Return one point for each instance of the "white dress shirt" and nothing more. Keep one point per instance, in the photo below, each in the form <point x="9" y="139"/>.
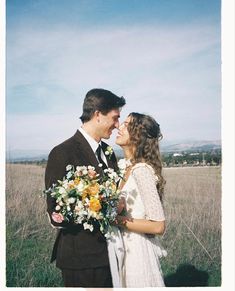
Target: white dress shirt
<point x="94" y="144"/>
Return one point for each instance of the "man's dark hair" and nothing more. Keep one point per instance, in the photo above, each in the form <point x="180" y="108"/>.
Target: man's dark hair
<point x="101" y="100"/>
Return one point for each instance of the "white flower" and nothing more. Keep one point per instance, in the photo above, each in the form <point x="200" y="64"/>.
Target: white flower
<point x="100" y="165"/>
<point x="108" y="235"/>
<point x="71" y="200"/>
<point x="65" y="183"/>
<point x="88" y="226"/>
<point x="109" y="151"/>
<point x="122" y="164"/>
<point x="64" y="195"/>
<point x="107" y="183"/>
<point x="80" y="186"/>
<point x="69" y="167"/>
<point x="84" y="172"/>
<point x="92" y="214"/>
<point x="79" y="220"/>
<point x="78" y="168"/>
<point x="69" y="175"/>
<point x="79" y="205"/>
<point x="57" y="207"/>
<point x="62" y="190"/>
<point x="113" y="176"/>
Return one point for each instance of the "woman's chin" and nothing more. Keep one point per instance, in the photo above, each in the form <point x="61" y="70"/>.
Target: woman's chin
<point x="118" y="142"/>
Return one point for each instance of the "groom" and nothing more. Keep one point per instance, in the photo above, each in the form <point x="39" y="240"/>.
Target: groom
<point x="81" y="255"/>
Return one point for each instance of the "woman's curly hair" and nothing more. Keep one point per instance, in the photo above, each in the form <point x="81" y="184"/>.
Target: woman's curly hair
<point x="145" y="134"/>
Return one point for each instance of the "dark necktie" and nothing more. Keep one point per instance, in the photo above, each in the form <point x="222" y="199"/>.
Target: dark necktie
<point x="98" y="152"/>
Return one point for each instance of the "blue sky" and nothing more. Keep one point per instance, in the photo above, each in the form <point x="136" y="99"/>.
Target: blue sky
<point x="164" y="57"/>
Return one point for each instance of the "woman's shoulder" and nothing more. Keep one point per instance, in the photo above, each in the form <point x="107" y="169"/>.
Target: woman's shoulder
<point x="144" y="172"/>
<point x="143" y="168"/>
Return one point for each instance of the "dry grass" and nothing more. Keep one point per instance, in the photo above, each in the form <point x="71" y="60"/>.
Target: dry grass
<point x="192" y="239"/>
<point x="193" y="211"/>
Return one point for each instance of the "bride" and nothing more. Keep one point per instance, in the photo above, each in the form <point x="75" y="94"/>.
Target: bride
<point x="142" y="215"/>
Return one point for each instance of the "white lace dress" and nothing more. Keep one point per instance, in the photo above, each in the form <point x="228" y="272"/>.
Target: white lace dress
<point x="141" y="266"/>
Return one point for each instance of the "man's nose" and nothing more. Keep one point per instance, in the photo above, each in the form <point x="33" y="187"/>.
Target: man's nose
<point x="116" y="124"/>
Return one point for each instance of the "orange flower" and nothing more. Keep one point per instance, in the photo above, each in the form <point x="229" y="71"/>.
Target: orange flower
<point x="93" y="189"/>
<point x="95" y="204"/>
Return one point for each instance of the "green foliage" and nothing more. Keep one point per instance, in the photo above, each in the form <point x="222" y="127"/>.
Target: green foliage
<point x="211" y="158"/>
<point x="28" y="261"/>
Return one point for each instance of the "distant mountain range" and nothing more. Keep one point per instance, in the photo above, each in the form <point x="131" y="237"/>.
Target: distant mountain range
<point x="186" y="146"/>
<point x="192" y="146"/>
<point x="26" y="155"/>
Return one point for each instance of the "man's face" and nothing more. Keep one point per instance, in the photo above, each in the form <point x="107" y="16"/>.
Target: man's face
<point x="108" y="122"/>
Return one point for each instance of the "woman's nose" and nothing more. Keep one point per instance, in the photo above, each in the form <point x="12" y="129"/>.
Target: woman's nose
<point x="120" y="126"/>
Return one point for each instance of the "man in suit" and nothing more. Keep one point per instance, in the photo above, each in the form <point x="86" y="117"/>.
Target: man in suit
<point x="82" y="255"/>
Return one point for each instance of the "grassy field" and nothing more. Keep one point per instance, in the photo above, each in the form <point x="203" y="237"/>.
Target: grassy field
<point x="192" y="239"/>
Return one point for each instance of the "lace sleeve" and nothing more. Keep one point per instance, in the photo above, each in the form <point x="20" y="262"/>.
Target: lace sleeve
<point x="146" y="182"/>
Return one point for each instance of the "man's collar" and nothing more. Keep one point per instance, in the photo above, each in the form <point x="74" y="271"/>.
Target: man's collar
<point x="92" y="142"/>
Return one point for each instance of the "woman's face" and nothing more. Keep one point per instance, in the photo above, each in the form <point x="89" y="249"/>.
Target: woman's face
<point x="123" y="137"/>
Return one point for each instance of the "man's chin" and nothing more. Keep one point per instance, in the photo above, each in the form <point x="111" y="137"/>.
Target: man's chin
<point x="107" y="136"/>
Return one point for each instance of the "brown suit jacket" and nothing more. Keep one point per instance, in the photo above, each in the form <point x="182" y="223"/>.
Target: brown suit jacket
<point x="75" y="248"/>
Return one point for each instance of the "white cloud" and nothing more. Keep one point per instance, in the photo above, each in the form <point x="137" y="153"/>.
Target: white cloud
<point x="76" y="59"/>
<point x="161" y="71"/>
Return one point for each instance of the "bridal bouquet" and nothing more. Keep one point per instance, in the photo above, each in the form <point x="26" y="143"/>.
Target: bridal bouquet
<point x="83" y="197"/>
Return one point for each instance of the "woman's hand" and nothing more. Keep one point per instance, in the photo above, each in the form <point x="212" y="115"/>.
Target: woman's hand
<point x="122" y="220"/>
<point x="121" y="206"/>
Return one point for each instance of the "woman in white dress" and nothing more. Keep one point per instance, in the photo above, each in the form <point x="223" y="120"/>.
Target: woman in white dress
<point x="142" y="217"/>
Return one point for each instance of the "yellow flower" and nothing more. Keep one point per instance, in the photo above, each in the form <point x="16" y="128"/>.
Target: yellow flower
<point x="93" y="189"/>
<point x="71" y="185"/>
<point x="85" y="193"/>
<point x="94" y="204"/>
<point x="114" y="187"/>
<point x="76" y="181"/>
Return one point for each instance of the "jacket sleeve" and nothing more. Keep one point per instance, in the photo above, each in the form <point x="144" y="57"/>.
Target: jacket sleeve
<point x="55" y="170"/>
